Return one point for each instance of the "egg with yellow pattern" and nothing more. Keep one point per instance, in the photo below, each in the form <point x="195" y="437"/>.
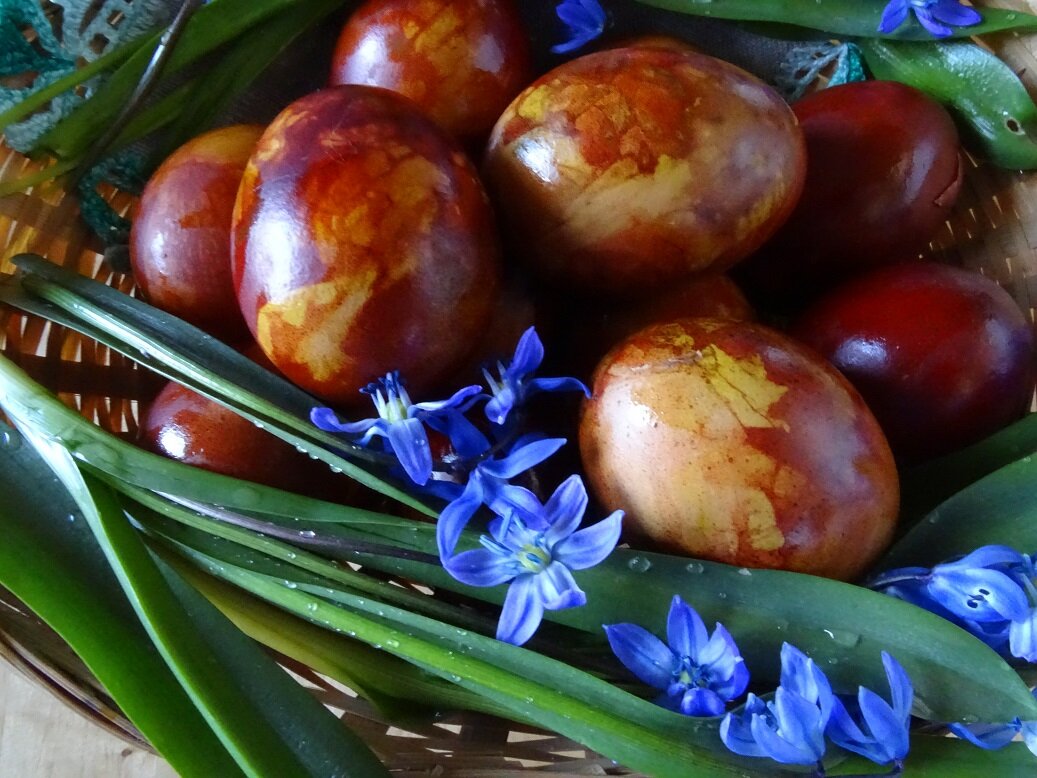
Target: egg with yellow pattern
<point x="362" y="242"/>
<point x="727" y="441"/>
<point x="631" y="168"/>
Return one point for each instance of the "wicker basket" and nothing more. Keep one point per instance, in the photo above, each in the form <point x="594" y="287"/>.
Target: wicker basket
<point x="993" y="230"/>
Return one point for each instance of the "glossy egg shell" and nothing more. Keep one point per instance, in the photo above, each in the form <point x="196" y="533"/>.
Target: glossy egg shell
<point x="180" y="239"/>
<point x="363" y="242"/>
<point x="461" y="61"/>
<point x="728" y="441"/>
<point x="883" y="173"/>
<point x="943" y="355"/>
<point x="630" y="168"/>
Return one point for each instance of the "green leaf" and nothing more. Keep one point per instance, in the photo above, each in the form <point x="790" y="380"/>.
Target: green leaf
<point x="268" y="723"/>
<point x="1000" y="509"/>
<point x="50" y="560"/>
<point x="980" y="90"/>
<point x="212" y="26"/>
<point x="189" y="356"/>
<point x="855" y="18"/>
<point x="925" y="486"/>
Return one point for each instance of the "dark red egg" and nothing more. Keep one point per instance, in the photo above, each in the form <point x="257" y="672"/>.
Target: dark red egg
<point x="461" y="61"/>
<point x="883" y="172"/>
<point x="942" y="355"/>
<point x="190" y="428"/>
<point x="180" y="240"/>
<point x="629" y="169"/>
<point x="363" y="242"/>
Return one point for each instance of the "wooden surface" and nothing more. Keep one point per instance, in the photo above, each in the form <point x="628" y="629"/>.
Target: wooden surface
<point x="41" y="737"/>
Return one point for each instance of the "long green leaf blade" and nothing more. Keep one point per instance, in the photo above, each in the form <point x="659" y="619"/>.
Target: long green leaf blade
<point x="50" y="560"/>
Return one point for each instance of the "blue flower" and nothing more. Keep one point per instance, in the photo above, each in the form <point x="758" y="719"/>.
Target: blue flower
<point x="488" y="485"/>
<point x="399" y="421"/>
<point x="995" y="736"/>
<point x="989" y="592"/>
<point x="791" y="728"/>
<point x="586" y="20"/>
<point x="515" y="382"/>
<point x="878" y="730"/>
<point x="538" y="560"/>
<point x="936" y="16"/>
<point x="696" y="673"/>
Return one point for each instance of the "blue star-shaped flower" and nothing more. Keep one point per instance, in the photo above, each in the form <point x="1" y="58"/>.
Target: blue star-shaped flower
<point x="696" y="672"/>
<point x="791" y="728"/>
<point x="936" y="16"/>
<point x="586" y="20"/>
<point x="874" y="728"/>
<point x="399" y="421"/>
<point x="516" y="383"/>
<point x="538" y="561"/>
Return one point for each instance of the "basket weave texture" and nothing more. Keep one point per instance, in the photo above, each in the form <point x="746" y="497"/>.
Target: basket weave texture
<point x="993" y="230"/>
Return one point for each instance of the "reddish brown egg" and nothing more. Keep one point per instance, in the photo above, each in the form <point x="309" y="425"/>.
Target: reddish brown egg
<point x="362" y="243"/>
<point x="461" y="61"/>
<point x="190" y="428"/>
<point x="883" y="173"/>
<point x="943" y="355"/>
<point x="728" y="441"/>
<point x="180" y="240"/>
<point x="631" y="168"/>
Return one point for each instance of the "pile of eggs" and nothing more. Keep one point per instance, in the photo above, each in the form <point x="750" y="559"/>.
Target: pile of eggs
<point x="373" y="227"/>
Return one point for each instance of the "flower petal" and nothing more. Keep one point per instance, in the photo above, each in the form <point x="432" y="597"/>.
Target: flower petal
<point x="557" y="385"/>
<point x="1022" y="637"/>
<point x="529" y="353"/>
<point x="801" y="722"/>
<point x="985" y="556"/>
<point x="978" y="594"/>
<point x="894" y="15"/>
<point x="522" y="611"/>
<point x="521" y="458"/>
<point x="455" y="516"/>
<point x="729" y="675"/>
<point x="889" y="731"/>
<point x="506" y="499"/>
<point x="799" y="674"/>
<point x="465" y="437"/>
<point x="776" y="746"/>
<point x="955" y="14"/>
<point x="589" y="546"/>
<point x="409" y="442"/>
<point x="642" y="653"/>
<point x="990" y="737"/>
<point x="685" y="631"/>
<point x="325" y="419"/>
<point x="937" y="30"/>
<point x="701" y="702"/>
<point x="736" y="731"/>
<point x="456" y="400"/>
<point x="902" y="692"/>
<point x="500" y="405"/>
<point x="482" y="567"/>
<point x="557" y="589"/>
<point x="564" y="510"/>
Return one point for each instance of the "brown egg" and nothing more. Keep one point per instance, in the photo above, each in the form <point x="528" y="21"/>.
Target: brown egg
<point x="728" y="441"/>
<point x="180" y="240"/>
<point x="190" y="428"/>
<point x="629" y="169"/>
<point x="461" y="61"/>
<point x="362" y="243"/>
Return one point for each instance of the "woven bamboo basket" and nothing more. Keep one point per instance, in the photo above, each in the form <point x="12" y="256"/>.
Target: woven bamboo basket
<point x="993" y="230"/>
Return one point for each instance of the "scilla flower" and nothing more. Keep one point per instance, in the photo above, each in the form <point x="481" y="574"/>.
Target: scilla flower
<point x="399" y="421"/>
<point x="516" y="383"/>
<point x="538" y="561"/>
<point x="697" y="673"/>
<point x="872" y="727"/>
<point x="995" y="736"/>
<point x="936" y="16"/>
<point x="586" y="20"/>
<point x="790" y="728"/>
<point x="488" y="484"/>
<point x="989" y="592"/>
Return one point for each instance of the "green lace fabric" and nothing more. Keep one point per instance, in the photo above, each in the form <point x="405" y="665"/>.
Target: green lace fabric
<point x="44" y="40"/>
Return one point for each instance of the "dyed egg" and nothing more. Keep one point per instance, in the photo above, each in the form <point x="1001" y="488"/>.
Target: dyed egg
<point x="728" y="441"/>
<point x="882" y="177"/>
<point x="362" y="243"/>
<point x="461" y="61"/>
<point x="943" y="355"/>
<point x="179" y="242"/>
<point x="628" y="169"/>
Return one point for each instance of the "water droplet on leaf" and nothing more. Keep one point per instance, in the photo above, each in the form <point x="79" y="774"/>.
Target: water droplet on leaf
<point x="640" y="564"/>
